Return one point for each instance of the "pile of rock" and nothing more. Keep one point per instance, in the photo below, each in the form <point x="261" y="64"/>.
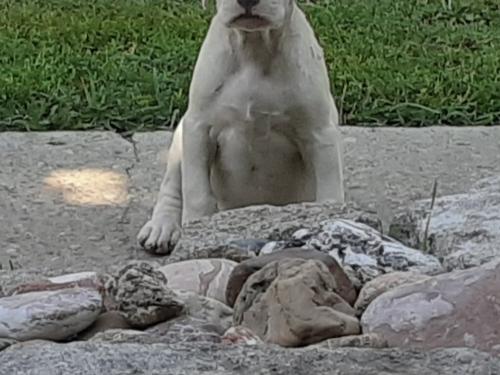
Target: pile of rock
<point x="320" y="282"/>
<point x="135" y="298"/>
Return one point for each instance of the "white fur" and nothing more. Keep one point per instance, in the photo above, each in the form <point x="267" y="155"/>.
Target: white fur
<point x="261" y="124"/>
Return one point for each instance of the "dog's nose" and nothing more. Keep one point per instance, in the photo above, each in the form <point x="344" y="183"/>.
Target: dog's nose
<point x="248" y="4"/>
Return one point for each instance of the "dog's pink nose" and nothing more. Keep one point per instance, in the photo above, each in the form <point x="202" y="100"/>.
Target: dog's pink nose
<point x="248" y="4"/>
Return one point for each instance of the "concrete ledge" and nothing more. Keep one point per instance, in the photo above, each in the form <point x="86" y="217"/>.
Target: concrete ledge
<point x="74" y="201"/>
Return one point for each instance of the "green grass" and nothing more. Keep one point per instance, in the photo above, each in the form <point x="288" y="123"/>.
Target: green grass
<point x="126" y="64"/>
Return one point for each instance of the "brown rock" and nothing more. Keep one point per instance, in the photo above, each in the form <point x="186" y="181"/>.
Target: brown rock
<point x="243" y="270"/>
<point x="457" y="309"/>
<point x="207" y="277"/>
<point x="382" y="284"/>
<point x="105" y="321"/>
<point x="293" y="302"/>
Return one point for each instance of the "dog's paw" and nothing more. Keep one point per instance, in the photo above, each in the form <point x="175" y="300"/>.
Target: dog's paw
<point x="159" y="236"/>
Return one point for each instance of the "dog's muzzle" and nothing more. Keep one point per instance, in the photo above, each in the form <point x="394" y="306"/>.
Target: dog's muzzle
<point x="249" y="22"/>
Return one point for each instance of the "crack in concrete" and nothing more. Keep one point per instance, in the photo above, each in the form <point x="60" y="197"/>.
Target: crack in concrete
<point x="128" y="137"/>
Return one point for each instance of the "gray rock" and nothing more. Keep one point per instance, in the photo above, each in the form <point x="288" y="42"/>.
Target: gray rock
<point x="106" y="321"/>
<point x="367" y="340"/>
<point x="103" y="358"/>
<point x="5" y="343"/>
<point x="124" y="335"/>
<point x="204" y="319"/>
<point x="55" y="315"/>
<point x="206" y="309"/>
<point x="213" y="237"/>
<point x="464" y="229"/>
<point x="181" y="329"/>
<point x="141" y="294"/>
<point x="456" y="309"/>
<point x="187" y="328"/>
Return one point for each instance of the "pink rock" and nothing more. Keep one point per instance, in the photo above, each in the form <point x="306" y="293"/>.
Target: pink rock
<point x="207" y="277"/>
<point x="83" y="280"/>
<point x="373" y="288"/>
<point x="457" y="309"/>
<point x="241" y="335"/>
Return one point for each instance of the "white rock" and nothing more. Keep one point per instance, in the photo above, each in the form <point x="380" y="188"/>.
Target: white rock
<point x="359" y="259"/>
<point x="54" y="315"/>
<point x="269" y="248"/>
<point x="73" y="277"/>
<point x="367" y="252"/>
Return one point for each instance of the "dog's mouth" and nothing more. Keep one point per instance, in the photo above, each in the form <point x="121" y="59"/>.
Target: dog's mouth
<point x="249" y="21"/>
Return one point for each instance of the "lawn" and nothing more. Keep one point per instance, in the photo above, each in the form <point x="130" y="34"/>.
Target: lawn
<point x="126" y="64"/>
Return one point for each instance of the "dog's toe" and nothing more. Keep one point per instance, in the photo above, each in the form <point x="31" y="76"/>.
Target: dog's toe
<point x="176" y="235"/>
<point x="169" y="237"/>
<point x="143" y="235"/>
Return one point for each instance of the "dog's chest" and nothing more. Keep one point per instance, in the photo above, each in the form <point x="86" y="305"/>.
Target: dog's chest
<point x="249" y="97"/>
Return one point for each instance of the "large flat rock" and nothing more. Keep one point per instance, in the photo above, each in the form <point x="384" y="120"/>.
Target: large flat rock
<point x="65" y="201"/>
<point x="101" y="358"/>
<point x="74" y="201"/>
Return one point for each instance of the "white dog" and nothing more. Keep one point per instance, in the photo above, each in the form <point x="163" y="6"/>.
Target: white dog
<point x="261" y="123"/>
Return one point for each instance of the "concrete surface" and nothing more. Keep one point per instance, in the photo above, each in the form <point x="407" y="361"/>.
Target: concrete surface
<point x="74" y="201"/>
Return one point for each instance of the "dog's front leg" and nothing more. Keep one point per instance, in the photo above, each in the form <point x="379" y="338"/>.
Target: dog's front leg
<point x="198" y="154"/>
<point x="160" y="234"/>
<point x="322" y="152"/>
